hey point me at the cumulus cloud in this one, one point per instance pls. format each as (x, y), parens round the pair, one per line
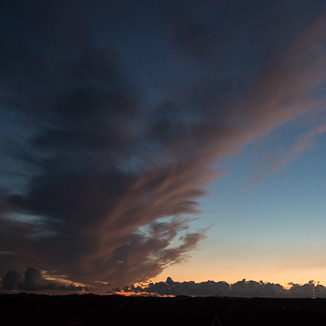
(11, 280)
(243, 288)
(111, 151)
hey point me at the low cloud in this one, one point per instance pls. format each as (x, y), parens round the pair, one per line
(242, 288)
(33, 280)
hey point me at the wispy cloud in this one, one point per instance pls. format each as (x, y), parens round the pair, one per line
(277, 160)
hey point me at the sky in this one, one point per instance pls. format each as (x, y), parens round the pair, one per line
(142, 140)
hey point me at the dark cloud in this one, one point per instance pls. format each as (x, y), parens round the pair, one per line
(141, 256)
(33, 280)
(242, 288)
(258, 289)
(11, 280)
(196, 38)
(114, 148)
(305, 290)
(209, 288)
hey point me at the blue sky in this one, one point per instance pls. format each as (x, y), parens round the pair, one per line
(272, 229)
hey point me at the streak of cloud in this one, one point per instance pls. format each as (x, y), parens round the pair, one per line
(275, 160)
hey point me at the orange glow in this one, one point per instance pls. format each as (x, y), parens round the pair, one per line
(129, 294)
(273, 268)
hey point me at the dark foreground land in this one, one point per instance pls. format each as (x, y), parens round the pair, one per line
(29, 309)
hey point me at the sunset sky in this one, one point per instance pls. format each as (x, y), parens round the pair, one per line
(142, 140)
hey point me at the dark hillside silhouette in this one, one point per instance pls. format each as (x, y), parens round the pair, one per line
(23, 309)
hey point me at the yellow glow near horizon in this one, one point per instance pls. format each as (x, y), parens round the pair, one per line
(274, 271)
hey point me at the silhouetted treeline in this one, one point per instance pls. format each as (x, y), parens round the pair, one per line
(23, 309)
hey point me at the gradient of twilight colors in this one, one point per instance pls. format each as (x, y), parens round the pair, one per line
(141, 140)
